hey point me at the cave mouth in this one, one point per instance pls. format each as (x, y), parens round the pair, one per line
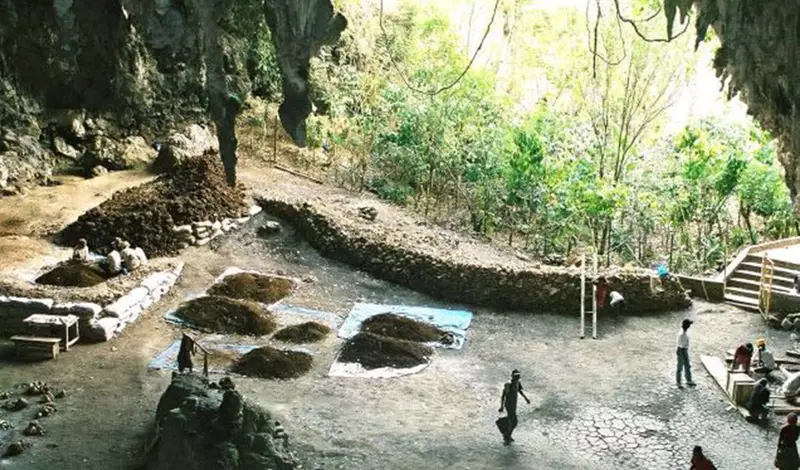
(73, 274)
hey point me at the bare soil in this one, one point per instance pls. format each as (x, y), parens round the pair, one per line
(253, 287)
(308, 332)
(267, 362)
(225, 315)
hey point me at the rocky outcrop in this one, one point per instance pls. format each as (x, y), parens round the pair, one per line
(758, 60)
(455, 273)
(79, 81)
(299, 28)
(199, 428)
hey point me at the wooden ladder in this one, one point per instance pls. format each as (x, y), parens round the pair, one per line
(591, 293)
(765, 286)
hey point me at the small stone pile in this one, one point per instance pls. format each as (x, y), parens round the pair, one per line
(147, 215)
(47, 395)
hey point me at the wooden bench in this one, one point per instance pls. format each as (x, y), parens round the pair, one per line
(37, 344)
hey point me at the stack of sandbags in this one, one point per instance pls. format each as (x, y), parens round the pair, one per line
(185, 235)
(13, 310)
(87, 312)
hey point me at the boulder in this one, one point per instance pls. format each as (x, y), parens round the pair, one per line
(99, 170)
(102, 329)
(194, 141)
(61, 147)
(190, 415)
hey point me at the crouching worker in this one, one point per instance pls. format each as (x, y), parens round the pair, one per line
(132, 258)
(617, 302)
(113, 263)
(81, 251)
(763, 360)
(743, 356)
(757, 405)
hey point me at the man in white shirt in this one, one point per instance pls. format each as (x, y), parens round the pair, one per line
(616, 302)
(683, 355)
(130, 260)
(763, 359)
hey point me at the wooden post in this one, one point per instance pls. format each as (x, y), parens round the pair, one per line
(583, 293)
(594, 299)
(275, 139)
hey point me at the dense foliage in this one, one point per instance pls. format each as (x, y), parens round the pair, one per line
(584, 163)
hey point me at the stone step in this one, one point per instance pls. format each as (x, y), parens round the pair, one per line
(743, 305)
(779, 263)
(742, 292)
(756, 276)
(756, 268)
(753, 284)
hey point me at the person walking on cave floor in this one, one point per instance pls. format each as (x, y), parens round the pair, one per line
(786, 457)
(682, 352)
(508, 402)
(700, 461)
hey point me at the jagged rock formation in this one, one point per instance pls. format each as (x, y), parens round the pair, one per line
(758, 59)
(299, 28)
(199, 428)
(78, 78)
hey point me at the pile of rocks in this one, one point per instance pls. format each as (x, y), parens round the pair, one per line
(452, 274)
(197, 426)
(47, 396)
(200, 233)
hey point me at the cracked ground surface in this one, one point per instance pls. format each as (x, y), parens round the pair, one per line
(600, 404)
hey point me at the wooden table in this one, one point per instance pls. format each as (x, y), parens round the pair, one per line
(41, 322)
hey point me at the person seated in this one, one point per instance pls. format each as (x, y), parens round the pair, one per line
(113, 262)
(140, 255)
(757, 404)
(763, 359)
(81, 251)
(617, 302)
(743, 357)
(130, 260)
(796, 284)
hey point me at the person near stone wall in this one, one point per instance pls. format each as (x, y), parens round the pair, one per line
(600, 292)
(763, 359)
(508, 401)
(683, 355)
(786, 457)
(616, 302)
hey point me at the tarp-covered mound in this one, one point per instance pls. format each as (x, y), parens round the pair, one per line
(270, 363)
(375, 352)
(145, 215)
(307, 332)
(198, 428)
(224, 315)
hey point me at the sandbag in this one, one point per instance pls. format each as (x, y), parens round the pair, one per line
(22, 303)
(119, 309)
(79, 309)
(102, 329)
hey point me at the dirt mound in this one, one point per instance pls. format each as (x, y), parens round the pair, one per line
(145, 215)
(269, 363)
(220, 358)
(308, 332)
(255, 287)
(395, 326)
(374, 351)
(224, 315)
(73, 274)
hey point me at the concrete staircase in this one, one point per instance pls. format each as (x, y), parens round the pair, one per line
(743, 284)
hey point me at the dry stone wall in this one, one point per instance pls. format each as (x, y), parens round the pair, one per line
(525, 287)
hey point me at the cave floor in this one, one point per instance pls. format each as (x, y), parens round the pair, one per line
(602, 404)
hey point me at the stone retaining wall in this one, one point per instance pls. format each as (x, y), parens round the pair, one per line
(200, 233)
(97, 322)
(538, 289)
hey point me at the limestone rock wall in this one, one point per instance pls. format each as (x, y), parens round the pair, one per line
(460, 279)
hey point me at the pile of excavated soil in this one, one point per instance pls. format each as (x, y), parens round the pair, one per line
(218, 358)
(395, 326)
(145, 215)
(255, 287)
(308, 332)
(269, 363)
(73, 274)
(224, 315)
(374, 352)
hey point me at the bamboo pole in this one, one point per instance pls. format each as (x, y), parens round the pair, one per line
(594, 298)
(583, 293)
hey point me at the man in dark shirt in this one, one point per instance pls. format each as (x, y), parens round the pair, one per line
(759, 400)
(509, 403)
